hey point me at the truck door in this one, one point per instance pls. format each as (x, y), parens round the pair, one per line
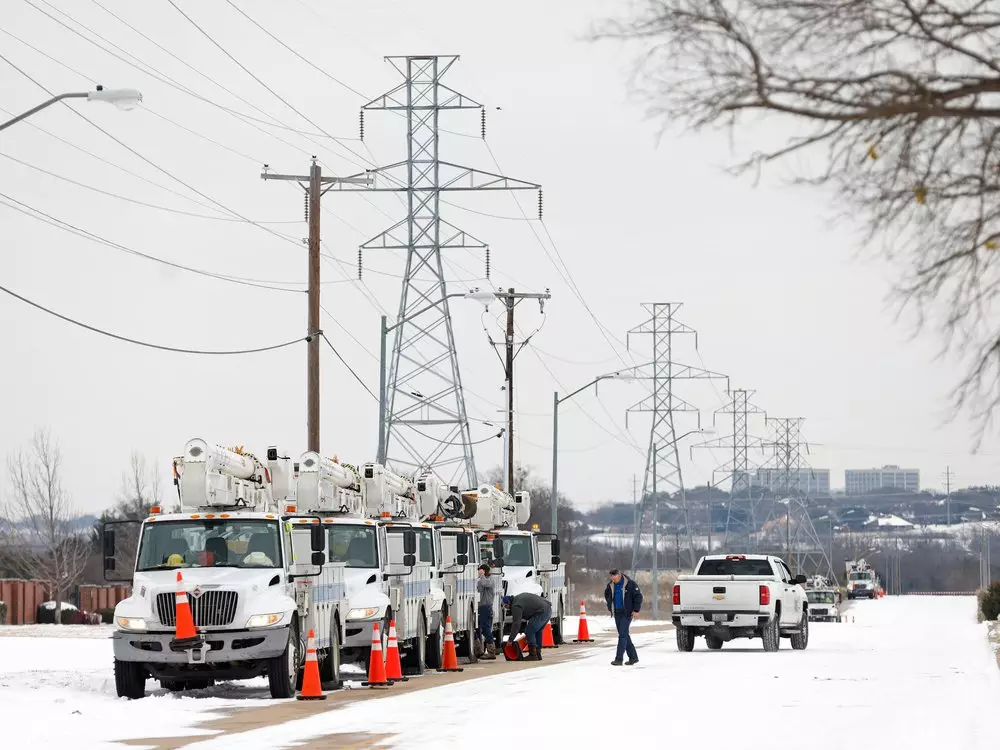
(791, 605)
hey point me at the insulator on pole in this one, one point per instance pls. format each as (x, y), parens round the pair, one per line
(362, 124)
(359, 262)
(539, 204)
(487, 261)
(482, 122)
(305, 203)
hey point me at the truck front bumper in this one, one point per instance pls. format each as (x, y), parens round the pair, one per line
(223, 646)
(720, 618)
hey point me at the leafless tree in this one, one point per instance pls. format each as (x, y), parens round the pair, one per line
(141, 489)
(898, 104)
(42, 542)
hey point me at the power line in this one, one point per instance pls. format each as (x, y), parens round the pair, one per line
(349, 368)
(146, 344)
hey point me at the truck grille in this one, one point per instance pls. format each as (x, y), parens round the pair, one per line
(212, 608)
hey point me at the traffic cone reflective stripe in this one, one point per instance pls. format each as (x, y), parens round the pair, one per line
(393, 666)
(514, 650)
(547, 640)
(449, 659)
(184, 630)
(376, 667)
(311, 690)
(582, 631)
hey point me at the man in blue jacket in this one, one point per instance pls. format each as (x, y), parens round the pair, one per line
(624, 600)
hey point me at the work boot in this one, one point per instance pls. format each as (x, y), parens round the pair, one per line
(616, 663)
(490, 653)
(534, 653)
(630, 662)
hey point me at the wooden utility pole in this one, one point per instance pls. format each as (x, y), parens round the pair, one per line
(313, 184)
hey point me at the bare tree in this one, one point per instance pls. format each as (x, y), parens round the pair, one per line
(42, 541)
(141, 489)
(899, 99)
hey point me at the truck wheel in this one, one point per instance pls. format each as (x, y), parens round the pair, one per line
(801, 639)
(685, 638)
(130, 680)
(469, 647)
(329, 668)
(283, 670)
(435, 644)
(771, 635)
(416, 658)
(713, 642)
(557, 627)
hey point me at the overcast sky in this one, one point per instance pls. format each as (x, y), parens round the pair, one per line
(781, 298)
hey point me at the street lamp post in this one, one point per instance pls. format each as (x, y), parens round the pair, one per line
(125, 99)
(475, 294)
(627, 376)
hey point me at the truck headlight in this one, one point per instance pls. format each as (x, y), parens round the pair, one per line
(131, 623)
(365, 613)
(263, 621)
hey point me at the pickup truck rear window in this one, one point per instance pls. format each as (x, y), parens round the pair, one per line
(735, 568)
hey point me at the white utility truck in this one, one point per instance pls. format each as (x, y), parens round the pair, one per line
(248, 590)
(822, 604)
(372, 521)
(740, 596)
(861, 580)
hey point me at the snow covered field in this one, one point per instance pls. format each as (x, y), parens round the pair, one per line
(913, 672)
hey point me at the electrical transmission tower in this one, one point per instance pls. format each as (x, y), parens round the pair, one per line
(741, 510)
(424, 418)
(663, 466)
(789, 531)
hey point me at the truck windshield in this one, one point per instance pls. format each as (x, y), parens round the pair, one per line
(820, 597)
(204, 543)
(353, 545)
(861, 576)
(517, 551)
(737, 567)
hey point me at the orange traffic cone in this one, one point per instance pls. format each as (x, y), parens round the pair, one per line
(449, 659)
(311, 690)
(547, 640)
(582, 631)
(393, 666)
(376, 667)
(515, 650)
(184, 632)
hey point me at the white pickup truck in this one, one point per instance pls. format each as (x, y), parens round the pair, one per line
(740, 596)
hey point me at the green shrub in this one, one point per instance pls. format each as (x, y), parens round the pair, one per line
(3, 613)
(991, 602)
(107, 615)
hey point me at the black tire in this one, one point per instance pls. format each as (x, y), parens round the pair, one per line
(329, 668)
(284, 671)
(771, 635)
(801, 639)
(469, 647)
(713, 642)
(557, 627)
(416, 658)
(435, 647)
(685, 638)
(130, 680)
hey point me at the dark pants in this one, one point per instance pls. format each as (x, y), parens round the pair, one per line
(623, 621)
(486, 623)
(533, 630)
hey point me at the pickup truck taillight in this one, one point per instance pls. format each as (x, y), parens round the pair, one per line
(765, 596)
(677, 594)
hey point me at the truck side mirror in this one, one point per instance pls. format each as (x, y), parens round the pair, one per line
(409, 545)
(498, 548)
(461, 559)
(555, 559)
(462, 546)
(799, 579)
(555, 550)
(317, 541)
(318, 558)
(410, 559)
(109, 543)
(497, 562)
(109, 564)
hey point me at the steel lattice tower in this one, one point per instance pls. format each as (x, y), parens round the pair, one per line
(425, 420)
(663, 466)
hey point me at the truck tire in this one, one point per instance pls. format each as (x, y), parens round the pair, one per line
(435, 645)
(801, 639)
(416, 657)
(771, 635)
(713, 642)
(469, 645)
(329, 668)
(283, 670)
(685, 638)
(557, 627)
(130, 680)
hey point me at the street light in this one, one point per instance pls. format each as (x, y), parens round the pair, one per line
(626, 375)
(124, 99)
(476, 294)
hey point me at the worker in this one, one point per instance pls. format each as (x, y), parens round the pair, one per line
(537, 612)
(624, 600)
(486, 586)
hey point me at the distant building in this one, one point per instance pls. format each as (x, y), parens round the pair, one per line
(866, 481)
(805, 481)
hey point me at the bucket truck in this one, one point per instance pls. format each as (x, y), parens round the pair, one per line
(247, 584)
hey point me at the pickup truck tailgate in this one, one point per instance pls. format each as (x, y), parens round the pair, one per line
(723, 593)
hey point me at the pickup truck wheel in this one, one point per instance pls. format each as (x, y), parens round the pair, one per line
(130, 680)
(713, 642)
(283, 670)
(329, 668)
(685, 638)
(771, 635)
(801, 639)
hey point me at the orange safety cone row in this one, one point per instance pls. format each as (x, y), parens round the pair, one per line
(582, 631)
(393, 666)
(184, 630)
(376, 667)
(547, 640)
(311, 690)
(514, 650)
(449, 659)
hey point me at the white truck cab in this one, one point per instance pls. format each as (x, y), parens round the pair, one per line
(822, 604)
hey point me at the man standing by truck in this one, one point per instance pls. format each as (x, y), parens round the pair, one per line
(486, 585)
(537, 611)
(624, 600)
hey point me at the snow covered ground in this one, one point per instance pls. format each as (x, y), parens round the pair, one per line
(913, 672)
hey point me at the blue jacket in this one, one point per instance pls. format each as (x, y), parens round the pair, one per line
(631, 596)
